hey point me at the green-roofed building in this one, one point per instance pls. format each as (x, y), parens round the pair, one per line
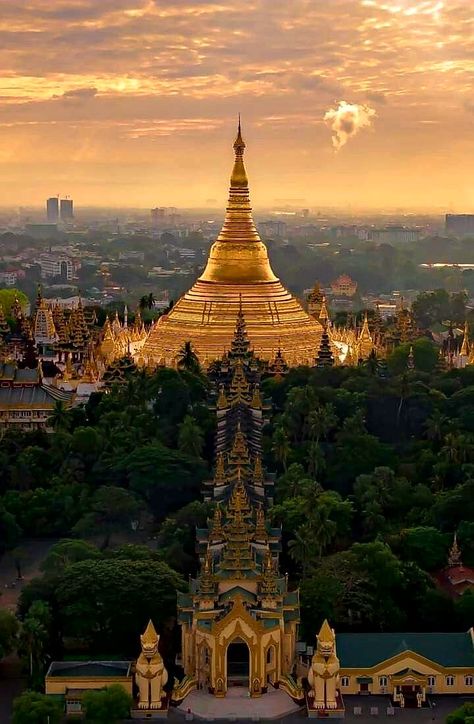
(406, 666)
(69, 680)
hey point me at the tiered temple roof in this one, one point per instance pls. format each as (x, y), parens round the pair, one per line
(240, 419)
(239, 577)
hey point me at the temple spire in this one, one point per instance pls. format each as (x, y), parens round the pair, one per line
(454, 558)
(239, 179)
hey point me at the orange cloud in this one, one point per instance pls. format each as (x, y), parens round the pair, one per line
(128, 82)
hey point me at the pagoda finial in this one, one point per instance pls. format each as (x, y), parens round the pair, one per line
(239, 143)
(454, 558)
(239, 176)
(323, 313)
(465, 348)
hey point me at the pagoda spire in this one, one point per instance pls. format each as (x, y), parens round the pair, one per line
(325, 357)
(454, 558)
(240, 345)
(323, 313)
(238, 254)
(465, 348)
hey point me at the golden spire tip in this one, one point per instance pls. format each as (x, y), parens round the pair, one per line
(239, 144)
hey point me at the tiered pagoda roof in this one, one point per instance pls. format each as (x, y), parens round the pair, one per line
(239, 544)
(237, 276)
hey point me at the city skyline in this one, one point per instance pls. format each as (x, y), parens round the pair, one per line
(128, 103)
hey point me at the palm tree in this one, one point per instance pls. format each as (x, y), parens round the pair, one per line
(315, 459)
(34, 635)
(300, 548)
(147, 301)
(59, 418)
(323, 529)
(404, 391)
(280, 446)
(321, 421)
(371, 364)
(435, 426)
(190, 437)
(188, 359)
(456, 449)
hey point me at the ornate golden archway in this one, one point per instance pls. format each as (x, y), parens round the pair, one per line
(238, 662)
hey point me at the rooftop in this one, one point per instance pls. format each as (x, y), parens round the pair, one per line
(99, 669)
(363, 650)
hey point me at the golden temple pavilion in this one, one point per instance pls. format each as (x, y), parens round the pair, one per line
(238, 272)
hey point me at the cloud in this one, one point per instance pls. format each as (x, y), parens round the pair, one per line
(346, 120)
(185, 67)
(79, 94)
(376, 97)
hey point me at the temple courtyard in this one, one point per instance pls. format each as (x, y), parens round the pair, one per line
(238, 705)
(239, 708)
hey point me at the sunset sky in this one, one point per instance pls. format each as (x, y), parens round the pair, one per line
(134, 102)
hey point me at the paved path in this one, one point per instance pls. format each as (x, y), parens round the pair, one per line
(237, 705)
(34, 553)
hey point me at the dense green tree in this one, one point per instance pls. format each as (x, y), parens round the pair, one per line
(65, 552)
(10, 531)
(46, 511)
(112, 509)
(8, 632)
(431, 307)
(107, 602)
(355, 452)
(464, 609)
(426, 546)
(190, 438)
(32, 707)
(8, 297)
(291, 514)
(382, 499)
(294, 482)
(425, 354)
(176, 539)
(167, 479)
(107, 706)
(462, 715)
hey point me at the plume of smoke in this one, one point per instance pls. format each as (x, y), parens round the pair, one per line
(346, 120)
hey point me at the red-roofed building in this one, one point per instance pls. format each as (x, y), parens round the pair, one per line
(455, 578)
(344, 286)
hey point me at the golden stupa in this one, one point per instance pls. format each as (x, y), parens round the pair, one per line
(238, 273)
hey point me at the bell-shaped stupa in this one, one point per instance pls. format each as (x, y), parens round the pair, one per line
(237, 276)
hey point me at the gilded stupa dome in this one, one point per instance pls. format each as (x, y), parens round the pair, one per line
(237, 276)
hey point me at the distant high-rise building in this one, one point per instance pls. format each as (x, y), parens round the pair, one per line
(157, 215)
(460, 224)
(67, 209)
(52, 209)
